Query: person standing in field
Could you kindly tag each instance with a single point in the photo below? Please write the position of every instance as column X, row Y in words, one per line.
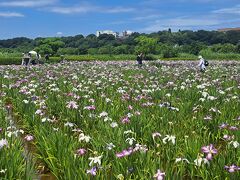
column 202, row 64
column 26, row 60
column 46, row 57
column 140, row 58
column 62, row 58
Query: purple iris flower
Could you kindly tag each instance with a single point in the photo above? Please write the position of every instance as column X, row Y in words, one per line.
column 210, row 150
column 232, row 168
column 124, row 153
column 92, row 171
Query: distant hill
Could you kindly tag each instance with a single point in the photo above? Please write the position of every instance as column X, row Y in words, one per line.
column 189, row 42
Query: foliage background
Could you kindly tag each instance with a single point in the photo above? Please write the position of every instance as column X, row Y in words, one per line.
column 163, row 44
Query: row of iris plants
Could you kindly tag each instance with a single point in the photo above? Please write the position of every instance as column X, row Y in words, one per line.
column 118, row 120
column 15, row 160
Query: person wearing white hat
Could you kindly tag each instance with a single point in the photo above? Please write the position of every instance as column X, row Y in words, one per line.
column 201, row 64
column 26, row 59
column 35, row 57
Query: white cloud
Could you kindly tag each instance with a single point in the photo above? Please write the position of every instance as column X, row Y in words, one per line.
column 232, row 10
column 185, row 21
column 117, row 22
column 83, row 7
column 141, row 18
column 180, row 1
column 59, row 33
column 117, row 10
column 10, row 14
column 181, row 23
column 86, row 8
column 27, row 3
column 72, row 10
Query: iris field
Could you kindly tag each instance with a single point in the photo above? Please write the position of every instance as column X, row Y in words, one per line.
column 117, row 120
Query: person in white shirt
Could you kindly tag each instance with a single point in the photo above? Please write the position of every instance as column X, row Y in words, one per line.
column 201, row 64
column 26, row 60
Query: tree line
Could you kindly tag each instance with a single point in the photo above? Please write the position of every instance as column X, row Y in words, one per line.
column 167, row 43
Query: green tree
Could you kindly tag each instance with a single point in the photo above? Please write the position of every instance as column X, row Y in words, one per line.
column 238, row 47
column 106, row 50
column 44, row 49
column 196, row 47
column 169, row 51
column 93, row 51
column 145, row 44
column 228, row 48
column 123, row 49
column 233, row 37
column 68, row 51
column 216, row 48
column 53, row 43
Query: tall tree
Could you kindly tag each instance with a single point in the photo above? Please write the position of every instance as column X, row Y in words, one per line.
column 145, row 44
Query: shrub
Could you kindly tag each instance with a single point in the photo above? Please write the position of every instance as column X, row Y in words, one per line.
column 170, row 52
column 208, row 54
column 10, row 60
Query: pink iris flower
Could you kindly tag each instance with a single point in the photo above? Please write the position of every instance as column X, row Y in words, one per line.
column 124, row 153
column 81, row 151
column 159, row 175
column 209, row 150
column 28, row 137
column 125, row 120
column 72, row 105
column 232, row 168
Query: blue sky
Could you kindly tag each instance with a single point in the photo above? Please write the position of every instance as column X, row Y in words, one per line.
column 34, row 18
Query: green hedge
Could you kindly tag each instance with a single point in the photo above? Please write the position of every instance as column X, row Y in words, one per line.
column 182, row 56
column 10, row 60
column 207, row 54
column 100, row 57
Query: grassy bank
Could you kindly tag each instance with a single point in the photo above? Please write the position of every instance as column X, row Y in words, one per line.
column 8, row 60
column 220, row 56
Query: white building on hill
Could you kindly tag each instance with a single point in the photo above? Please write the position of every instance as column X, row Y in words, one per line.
column 126, row 33
column 115, row 34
